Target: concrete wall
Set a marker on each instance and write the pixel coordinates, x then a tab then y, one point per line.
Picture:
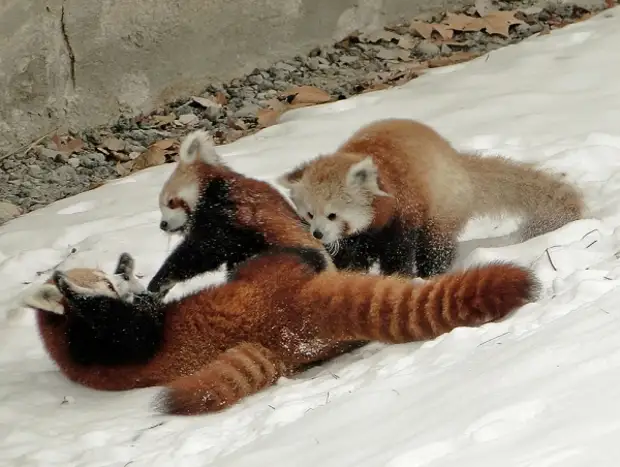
80	63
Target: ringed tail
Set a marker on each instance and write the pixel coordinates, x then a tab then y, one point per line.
396	310
235	374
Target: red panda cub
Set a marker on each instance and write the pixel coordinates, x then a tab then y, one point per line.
398	193
280	312
223	216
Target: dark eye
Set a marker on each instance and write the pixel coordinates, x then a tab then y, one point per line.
310	216
109	285
171	204
331	216
125	276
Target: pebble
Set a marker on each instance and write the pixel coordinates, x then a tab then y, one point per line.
428	49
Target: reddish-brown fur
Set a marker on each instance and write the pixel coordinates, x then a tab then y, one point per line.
277	315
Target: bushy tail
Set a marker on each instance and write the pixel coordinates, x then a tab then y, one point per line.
237	373
504	186
394	310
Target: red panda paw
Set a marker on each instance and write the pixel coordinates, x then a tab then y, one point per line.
177	401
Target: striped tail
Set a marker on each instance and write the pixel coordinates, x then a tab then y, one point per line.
237	373
395	310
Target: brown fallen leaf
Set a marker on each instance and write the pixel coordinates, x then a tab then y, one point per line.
460	22
499	22
164	119
113	144
220	98
495	22
306	95
426	30
119	156
267	117
122	169
152	157
394	54
406	43
67	144
164	143
380	35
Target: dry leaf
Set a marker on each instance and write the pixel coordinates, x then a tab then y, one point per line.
483	7
119	156
496	22
164	119
380	35
113	144
306	95
220	98
150	158
121	169
394	54
499	22
188	119
164	143
426	30
205	102
406	43
460	22
268	117
67	145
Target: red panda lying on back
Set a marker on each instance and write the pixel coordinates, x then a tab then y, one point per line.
399	193
224	217
280	311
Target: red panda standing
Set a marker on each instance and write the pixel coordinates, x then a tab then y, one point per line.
224	217
399	193
277	314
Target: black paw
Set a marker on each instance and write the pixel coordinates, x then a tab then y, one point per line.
125	266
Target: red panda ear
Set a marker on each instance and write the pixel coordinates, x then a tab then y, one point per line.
198	147
365	175
290	179
45	297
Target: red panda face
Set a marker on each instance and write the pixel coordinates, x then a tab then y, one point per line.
176	208
122	284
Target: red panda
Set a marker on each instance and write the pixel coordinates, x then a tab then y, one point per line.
224	216
398	193
279	312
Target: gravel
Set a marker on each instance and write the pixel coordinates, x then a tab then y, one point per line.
46	172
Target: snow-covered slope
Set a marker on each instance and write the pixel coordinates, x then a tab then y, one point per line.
536	390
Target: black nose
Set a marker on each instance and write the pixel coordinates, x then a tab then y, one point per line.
317	234
163	225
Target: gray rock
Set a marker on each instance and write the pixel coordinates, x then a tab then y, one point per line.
256	79
74	162
92	160
428	49
35	170
248	110
65	173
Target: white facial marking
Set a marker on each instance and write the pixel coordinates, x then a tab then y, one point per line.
332	216
174	219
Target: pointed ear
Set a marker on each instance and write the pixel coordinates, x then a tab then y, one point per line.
46	297
292	178
364	175
198	146
67	288
125	266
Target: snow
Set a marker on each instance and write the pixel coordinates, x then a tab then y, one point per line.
538	389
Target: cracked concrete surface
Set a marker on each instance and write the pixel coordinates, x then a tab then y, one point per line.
75	64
